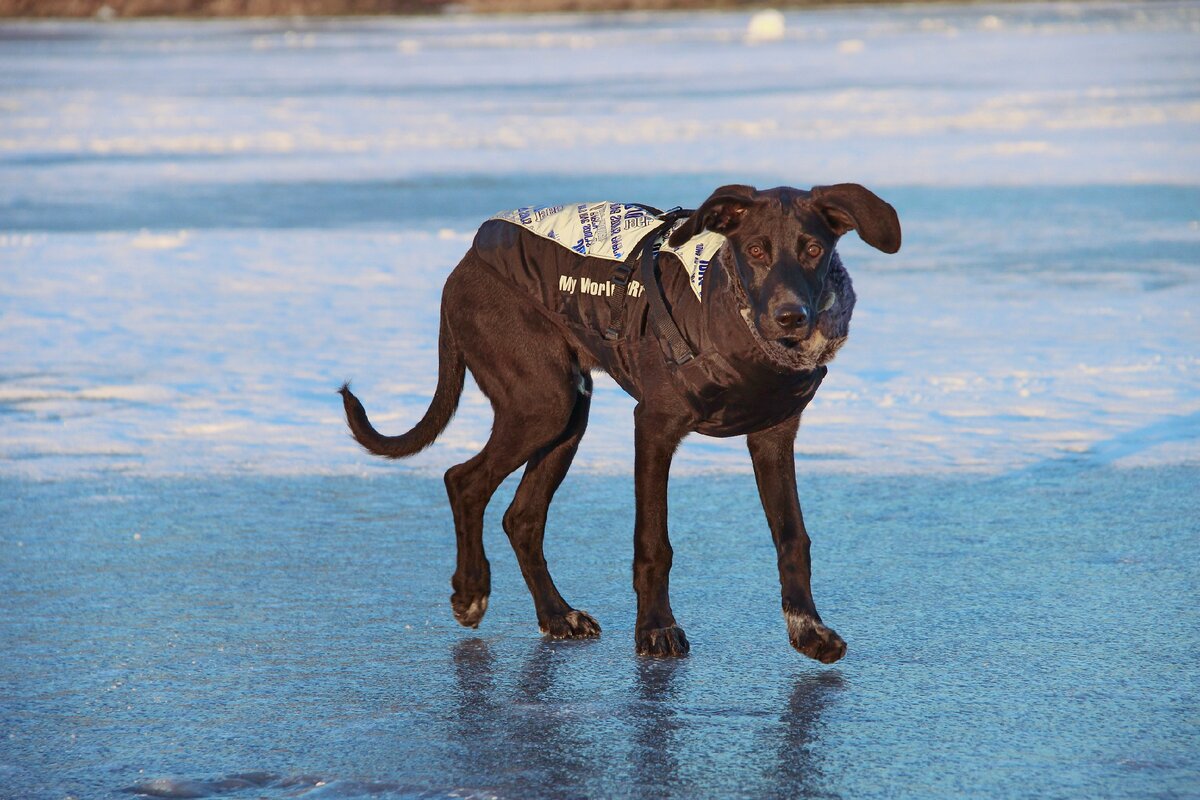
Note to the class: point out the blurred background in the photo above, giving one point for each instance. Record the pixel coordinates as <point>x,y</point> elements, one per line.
<point>207,226</point>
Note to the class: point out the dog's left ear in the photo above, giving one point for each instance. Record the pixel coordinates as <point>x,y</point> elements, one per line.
<point>720,213</point>
<point>848,206</point>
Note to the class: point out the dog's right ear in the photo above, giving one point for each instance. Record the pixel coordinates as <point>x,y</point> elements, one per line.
<point>721,213</point>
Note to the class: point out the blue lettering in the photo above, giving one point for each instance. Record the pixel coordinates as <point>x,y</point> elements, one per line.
<point>614,229</point>
<point>585,223</point>
<point>636,217</point>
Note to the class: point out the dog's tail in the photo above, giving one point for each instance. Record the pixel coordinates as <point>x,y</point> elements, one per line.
<point>451,369</point>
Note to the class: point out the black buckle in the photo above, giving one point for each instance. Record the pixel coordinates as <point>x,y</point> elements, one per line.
<point>621,274</point>
<point>673,215</point>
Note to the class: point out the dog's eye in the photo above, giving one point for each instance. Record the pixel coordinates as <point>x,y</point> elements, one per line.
<point>756,251</point>
<point>814,250</point>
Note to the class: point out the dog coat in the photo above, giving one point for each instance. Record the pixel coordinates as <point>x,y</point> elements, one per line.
<point>612,231</point>
<point>564,258</point>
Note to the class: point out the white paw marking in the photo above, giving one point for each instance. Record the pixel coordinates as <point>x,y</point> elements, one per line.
<point>478,608</point>
<point>800,624</point>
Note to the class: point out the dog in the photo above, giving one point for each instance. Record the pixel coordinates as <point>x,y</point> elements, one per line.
<point>732,344</point>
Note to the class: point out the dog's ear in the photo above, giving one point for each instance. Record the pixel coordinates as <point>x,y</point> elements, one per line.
<point>720,213</point>
<point>848,206</point>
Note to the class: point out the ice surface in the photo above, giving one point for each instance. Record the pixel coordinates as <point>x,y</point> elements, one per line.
<point>205,587</point>
<point>1033,635</point>
<point>206,227</point>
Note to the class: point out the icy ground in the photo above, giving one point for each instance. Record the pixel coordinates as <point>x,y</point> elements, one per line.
<point>168,634</point>
<point>206,227</point>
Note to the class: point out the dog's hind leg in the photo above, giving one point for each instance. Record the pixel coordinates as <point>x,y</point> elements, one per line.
<point>525,524</point>
<point>516,438</point>
<point>522,364</point>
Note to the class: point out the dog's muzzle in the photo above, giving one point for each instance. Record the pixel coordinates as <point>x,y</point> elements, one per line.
<point>795,322</point>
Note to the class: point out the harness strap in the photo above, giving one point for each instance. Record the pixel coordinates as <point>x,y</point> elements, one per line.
<point>616,301</point>
<point>660,317</point>
<point>622,272</point>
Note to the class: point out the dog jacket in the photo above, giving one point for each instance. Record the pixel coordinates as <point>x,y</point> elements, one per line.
<point>565,258</point>
<point>613,231</point>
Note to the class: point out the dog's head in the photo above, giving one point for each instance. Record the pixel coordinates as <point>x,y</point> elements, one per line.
<point>780,243</point>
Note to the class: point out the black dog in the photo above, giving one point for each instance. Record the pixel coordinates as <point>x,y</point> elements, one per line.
<point>531,316</point>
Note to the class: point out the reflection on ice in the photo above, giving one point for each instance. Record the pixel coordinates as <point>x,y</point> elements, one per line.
<point>801,751</point>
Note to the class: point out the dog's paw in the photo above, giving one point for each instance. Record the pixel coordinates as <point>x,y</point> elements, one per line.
<point>813,638</point>
<point>468,610</point>
<point>572,625</point>
<point>662,642</point>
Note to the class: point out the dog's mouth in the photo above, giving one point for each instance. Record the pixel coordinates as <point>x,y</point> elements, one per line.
<point>795,352</point>
<point>791,352</point>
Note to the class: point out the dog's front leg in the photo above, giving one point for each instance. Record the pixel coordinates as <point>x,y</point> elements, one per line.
<point>773,454</point>
<point>655,436</point>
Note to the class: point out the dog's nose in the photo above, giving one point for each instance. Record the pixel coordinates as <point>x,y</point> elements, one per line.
<point>791,316</point>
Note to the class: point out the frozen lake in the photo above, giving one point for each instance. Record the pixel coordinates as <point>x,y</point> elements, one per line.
<point>1002,642</point>
<point>206,226</point>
